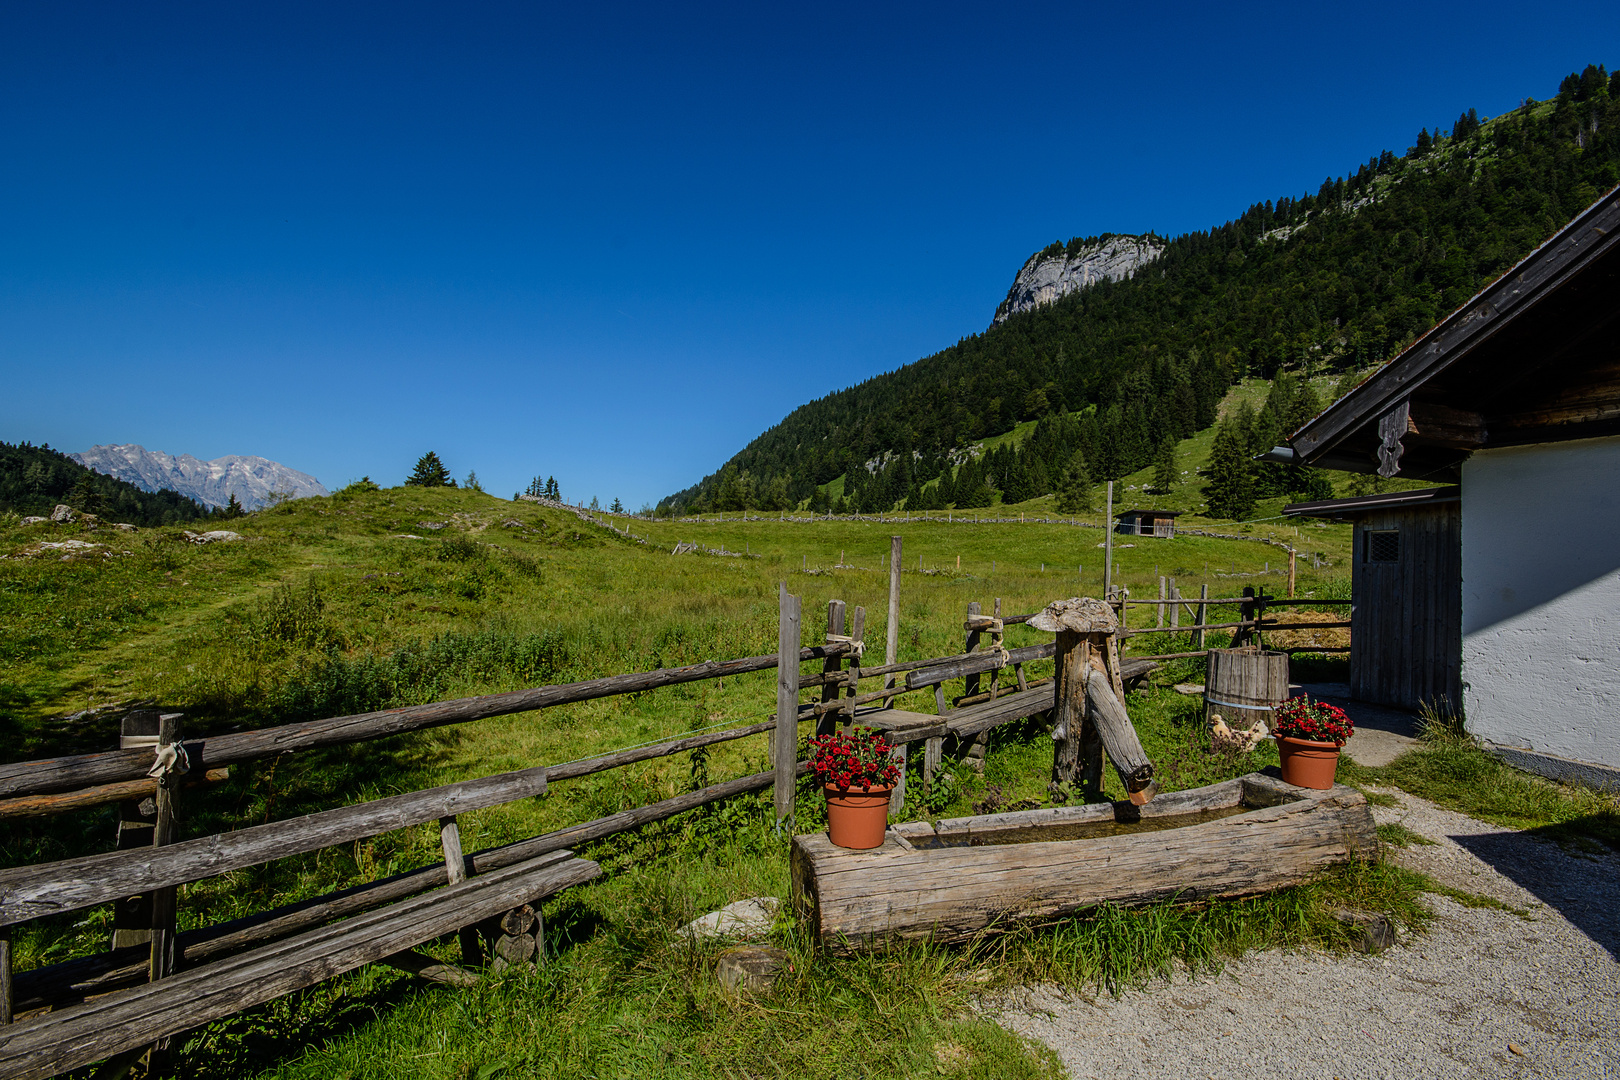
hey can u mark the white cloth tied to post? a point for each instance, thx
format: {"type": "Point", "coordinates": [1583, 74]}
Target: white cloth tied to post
{"type": "Point", "coordinates": [856, 647]}
{"type": "Point", "coordinates": [171, 760]}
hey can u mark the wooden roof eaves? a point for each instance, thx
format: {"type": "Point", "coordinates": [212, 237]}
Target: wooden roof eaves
{"type": "Point", "coordinates": [1365, 503]}
{"type": "Point", "coordinates": [1538, 274]}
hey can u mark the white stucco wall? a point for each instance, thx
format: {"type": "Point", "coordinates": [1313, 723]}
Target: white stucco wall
{"type": "Point", "coordinates": [1541, 598]}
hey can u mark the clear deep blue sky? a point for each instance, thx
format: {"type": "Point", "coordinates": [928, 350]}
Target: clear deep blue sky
{"type": "Point", "coordinates": [614, 243]}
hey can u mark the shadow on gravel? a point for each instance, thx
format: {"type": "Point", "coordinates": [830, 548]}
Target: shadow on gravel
{"type": "Point", "coordinates": [1566, 870]}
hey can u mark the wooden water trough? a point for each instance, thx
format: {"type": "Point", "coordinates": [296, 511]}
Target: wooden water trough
{"type": "Point", "coordinates": [965, 876]}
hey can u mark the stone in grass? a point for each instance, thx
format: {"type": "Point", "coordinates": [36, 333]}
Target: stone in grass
{"type": "Point", "coordinates": [743, 920]}
{"type": "Point", "coordinates": [1377, 932]}
{"type": "Point", "coordinates": [750, 969]}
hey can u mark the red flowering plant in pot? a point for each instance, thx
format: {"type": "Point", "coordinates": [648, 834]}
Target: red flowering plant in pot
{"type": "Point", "coordinates": [857, 775]}
{"type": "Point", "coordinates": [1309, 735]}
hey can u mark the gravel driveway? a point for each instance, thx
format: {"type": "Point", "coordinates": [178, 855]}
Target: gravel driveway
{"type": "Point", "coordinates": [1482, 993]}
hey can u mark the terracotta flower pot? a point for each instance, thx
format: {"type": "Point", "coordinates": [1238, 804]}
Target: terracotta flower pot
{"type": "Point", "coordinates": [1306, 763]}
{"type": "Point", "coordinates": [857, 818]}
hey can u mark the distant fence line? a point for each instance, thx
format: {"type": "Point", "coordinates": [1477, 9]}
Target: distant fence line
{"type": "Point", "coordinates": [685, 547]}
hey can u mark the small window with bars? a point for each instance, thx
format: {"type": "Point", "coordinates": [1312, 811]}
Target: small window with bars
{"type": "Point", "coordinates": [1381, 545]}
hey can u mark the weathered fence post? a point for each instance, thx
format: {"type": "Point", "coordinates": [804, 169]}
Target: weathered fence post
{"type": "Point", "coordinates": [1291, 554]}
{"type": "Point", "coordinates": [5, 974]}
{"type": "Point", "coordinates": [1240, 637]}
{"type": "Point", "coordinates": [1076, 747]}
{"type": "Point", "coordinates": [1159, 624]}
{"type": "Point", "coordinates": [857, 631]}
{"type": "Point", "coordinates": [891, 633]}
{"type": "Point", "coordinates": [970, 687]}
{"type": "Point", "coordinates": [829, 691]}
{"type": "Point", "coordinates": [1203, 616]}
{"type": "Point", "coordinates": [132, 916]}
{"type": "Point", "coordinates": [163, 833]}
{"type": "Point", "coordinates": [787, 703]}
{"type": "Point", "coordinates": [1175, 606]}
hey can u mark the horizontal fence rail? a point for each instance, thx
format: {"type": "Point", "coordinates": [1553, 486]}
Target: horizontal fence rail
{"type": "Point", "coordinates": [88, 770]}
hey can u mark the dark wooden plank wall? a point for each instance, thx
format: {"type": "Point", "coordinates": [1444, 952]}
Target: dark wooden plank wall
{"type": "Point", "coordinates": [1406, 638]}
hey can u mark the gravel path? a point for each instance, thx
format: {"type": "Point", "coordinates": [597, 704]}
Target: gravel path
{"type": "Point", "coordinates": [1446, 1003]}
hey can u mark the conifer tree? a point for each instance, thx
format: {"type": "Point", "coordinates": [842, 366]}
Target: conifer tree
{"type": "Point", "coordinates": [1231, 478]}
{"type": "Point", "coordinates": [471, 483]}
{"type": "Point", "coordinates": [1164, 468]}
{"type": "Point", "coordinates": [430, 472]}
{"type": "Point", "coordinates": [86, 497]}
{"type": "Point", "coordinates": [552, 490]}
{"type": "Point", "coordinates": [617, 507]}
{"type": "Point", "coordinates": [1074, 496]}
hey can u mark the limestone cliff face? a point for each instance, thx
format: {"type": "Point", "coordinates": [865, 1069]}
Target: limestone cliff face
{"type": "Point", "coordinates": [1048, 277]}
{"type": "Point", "coordinates": [211, 483]}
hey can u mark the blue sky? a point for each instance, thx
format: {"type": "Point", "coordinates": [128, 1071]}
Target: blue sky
{"type": "Point", "coordinates": [613, 243]}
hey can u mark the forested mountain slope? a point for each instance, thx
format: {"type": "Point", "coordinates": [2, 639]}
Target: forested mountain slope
{"type": "Point", "coordinates": [1336, 280]}
{"type": "Point", "coordinates": [34, 479]}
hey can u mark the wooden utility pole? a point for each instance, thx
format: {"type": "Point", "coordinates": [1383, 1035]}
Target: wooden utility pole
{"type": "Point", "coordinates": [786, 741]}
{"type": "Point", "coordinates": [1108, 542]}
{"type": "Point", "coordinates": [891, 634]}
{"type": "Point", "coordinates": [891, 652]}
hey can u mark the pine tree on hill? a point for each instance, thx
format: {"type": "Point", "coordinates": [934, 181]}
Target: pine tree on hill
{"type": "Point", "coordinates": [1074, 496]}
{"type": "Point", "coordinates": [617, 507]}
{"type": "Point", "coordinates": [430, 472]}
{"type": "Point", "coordinates": [86, 497]}
{"type": "Point", "coordinates": [1165, 475]}
{"type": "Point", "coordinates": [1230, 491]}
{"type": "Point", "coordinates": [552, 490]}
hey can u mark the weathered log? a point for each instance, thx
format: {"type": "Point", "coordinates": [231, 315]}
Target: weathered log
{"type": "Point", "coordinates": [99, 973]}
{"type": "Point", "coordinates": [88, 770]}
{"type": "Point", "coordinates": [66, 1039]}
{"type": "Point", "coordinates": [127, 791]}
{"type": "Point", "coordinates": [1119, 738]}
{"type": "Point", "coordinates": [426, 967]}
{"type": "Point", "coordinates": [1076, 751]}
{"type": "Point", "coordinates": [28, 892]}
{"type": "Point", "coordinates": [974, 663]}
{"type": "Point", "coordinates": [863, 899]}
{"type": "Point", "coordinates": [976, 719]}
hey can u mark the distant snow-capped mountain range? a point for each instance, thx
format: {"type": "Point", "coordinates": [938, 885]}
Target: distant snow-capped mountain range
{"type": "Point", "coordinates": [209, 482]}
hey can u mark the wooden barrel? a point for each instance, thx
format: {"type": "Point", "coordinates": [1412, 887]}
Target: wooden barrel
{"type": "Point", "coordinates": [1245, 685]}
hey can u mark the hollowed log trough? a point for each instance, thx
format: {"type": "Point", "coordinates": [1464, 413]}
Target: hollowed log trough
{"type": "Point", "coordinates": [968, 876]}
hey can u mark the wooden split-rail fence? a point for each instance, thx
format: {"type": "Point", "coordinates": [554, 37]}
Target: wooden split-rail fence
{"type": "Point", "coordinates": [156, 982]}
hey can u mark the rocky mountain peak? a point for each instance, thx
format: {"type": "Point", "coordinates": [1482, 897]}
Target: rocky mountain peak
{"type": "Point", "coordinates": [250, 478]}
{"type": "Point", "coordinates": [1055, 272]}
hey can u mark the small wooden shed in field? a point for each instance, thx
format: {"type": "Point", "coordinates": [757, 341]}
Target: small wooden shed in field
{"type": "Point", "coordinates": [1406, 590]}
{"type": "Point", "coordinates": [1147, 522]}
